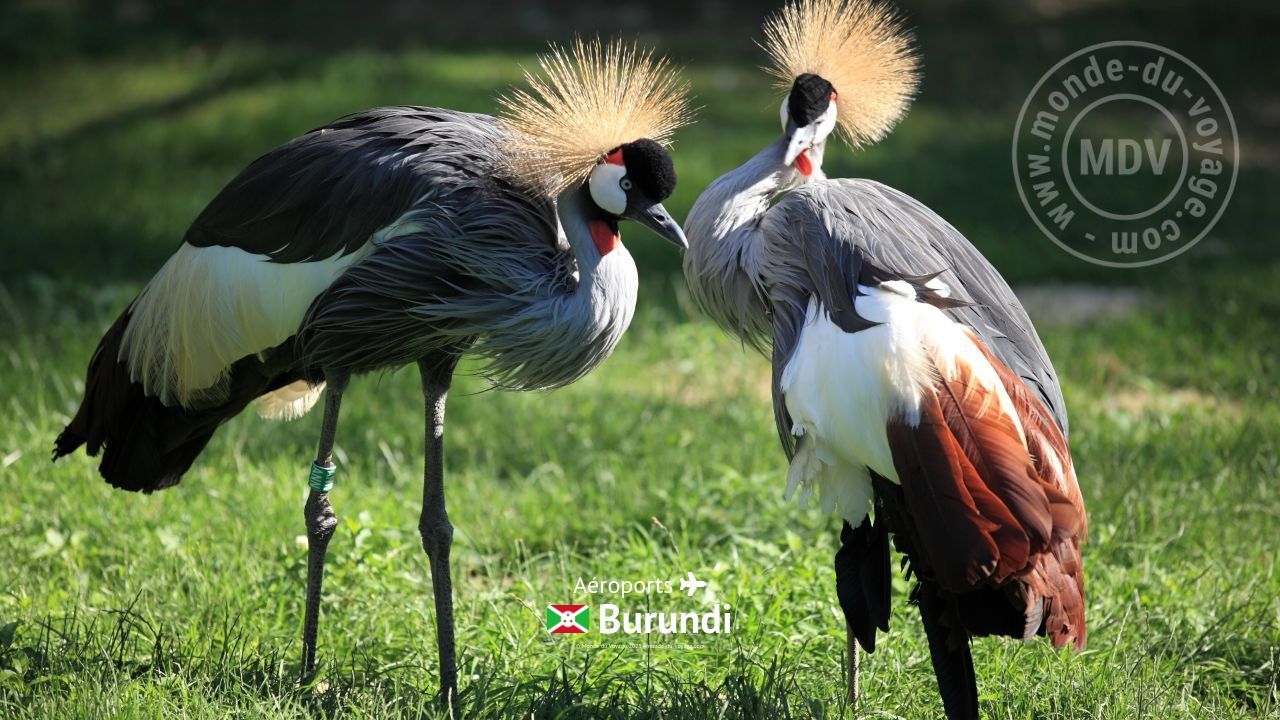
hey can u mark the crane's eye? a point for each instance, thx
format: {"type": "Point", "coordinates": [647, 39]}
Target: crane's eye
{"type": "Point", "coordinates": [608, 185]}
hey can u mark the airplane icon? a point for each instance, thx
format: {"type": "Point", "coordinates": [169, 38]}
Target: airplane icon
{"type": "Point", "coordinates": [692, 584]}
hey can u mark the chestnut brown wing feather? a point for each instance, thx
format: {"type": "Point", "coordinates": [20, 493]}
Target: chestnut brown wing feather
{"type": "Point", "coordinates": [992, 510]}
{"type": "Point", "coordinates": [1060, 571]}
{"type": "Point", "coordinates": [937, 480]}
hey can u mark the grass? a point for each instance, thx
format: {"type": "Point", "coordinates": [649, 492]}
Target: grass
{"type": "Point", "coordinates": [188, 603]}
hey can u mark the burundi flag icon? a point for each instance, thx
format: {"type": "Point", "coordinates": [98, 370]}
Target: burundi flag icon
{"type": "Point", "coordinates": [572, 619]}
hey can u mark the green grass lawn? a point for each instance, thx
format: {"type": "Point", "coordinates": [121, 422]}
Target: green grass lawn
{"type": "Point", "coordinates": [188, 603]}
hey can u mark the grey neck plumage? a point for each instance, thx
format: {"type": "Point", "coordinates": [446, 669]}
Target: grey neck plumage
{"type": "Point", "coordinates": [565, 334]}
{"type": "Point", "coordinates": [726, 245]}
{"type": "Point", "coordinates": [608, 285]}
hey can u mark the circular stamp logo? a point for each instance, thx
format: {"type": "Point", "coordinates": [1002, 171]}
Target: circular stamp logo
{"type": "Point", "coordinates": [1125, 154]}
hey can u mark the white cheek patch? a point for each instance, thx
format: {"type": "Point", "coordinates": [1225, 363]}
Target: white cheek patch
{"type": "Point", "coordinates": [826, 123]}
{"type": "Point", "coordinates": [605, 188]}
{"type": "Point", "coordinates": [783, 113]}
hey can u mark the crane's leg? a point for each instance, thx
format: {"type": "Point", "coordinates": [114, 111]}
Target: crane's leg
{"type": "Point", "coordinates": [852, 641]}
{"type": "Point", "coordinates": [320, 518]}
{"type": "Point", "coordinates": [949, 650]}
{"type": "Point", "coordinates": [437, 533]}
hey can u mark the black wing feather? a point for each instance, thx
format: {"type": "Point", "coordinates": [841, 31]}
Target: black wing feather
{"type": "Point", "coordinates": [326, 192]}
{"type": "Point", "coordinates": [862, 580]}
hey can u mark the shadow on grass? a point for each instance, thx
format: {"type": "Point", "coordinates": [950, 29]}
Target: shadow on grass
{"type": "Point", "coordinates": [121, 119]}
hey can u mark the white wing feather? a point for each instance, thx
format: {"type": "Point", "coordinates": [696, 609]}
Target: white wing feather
{"type": "Point", "coordinates": [211, 306]}
{"type": "Point", "coordinates": [842, 389]}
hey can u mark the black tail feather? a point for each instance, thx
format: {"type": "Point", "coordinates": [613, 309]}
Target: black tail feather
{"type": "Point", "coordinates": [862, 580]}
{"type": "Point", "coordinates": [146, 445]}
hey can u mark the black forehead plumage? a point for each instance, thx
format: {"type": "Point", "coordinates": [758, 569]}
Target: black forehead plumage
{"type": "Point", "coordinates": [649, 166]}
{"type": "Point", "coordinates": [810, 95]}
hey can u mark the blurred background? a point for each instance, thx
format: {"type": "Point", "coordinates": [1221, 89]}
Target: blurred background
{"type": "Point", "coordinates": [121, 119]}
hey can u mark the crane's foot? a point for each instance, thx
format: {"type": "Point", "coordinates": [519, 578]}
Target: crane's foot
{"type": "Point", "coordinates": [321, 523]}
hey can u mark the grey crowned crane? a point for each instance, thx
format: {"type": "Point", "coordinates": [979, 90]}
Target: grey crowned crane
{"type": "Point", "coordinates": [910, 389]}
{"type": "Point", "coordinates": [395, 235]}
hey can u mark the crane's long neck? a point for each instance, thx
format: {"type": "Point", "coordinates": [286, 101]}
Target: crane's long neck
{"type": "Point", "coordinates": [593, 318]}
{"type": "Point", "coordinates": [726, 244]}
{"type": "Point", "coordinates": [536, 325]}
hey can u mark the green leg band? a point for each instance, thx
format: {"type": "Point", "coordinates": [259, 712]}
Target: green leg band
{"type": "Point", "coordinates": [321, 479]}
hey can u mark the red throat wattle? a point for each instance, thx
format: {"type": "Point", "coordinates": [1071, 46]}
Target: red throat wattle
{"type": "Point", "coordinates": [605, 236]}
{"type": "Point", "coordinates": [804, 164]}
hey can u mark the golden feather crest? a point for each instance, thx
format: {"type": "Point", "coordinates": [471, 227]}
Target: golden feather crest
{"type": "Point", "coordinates": [589, 99]}
{"type": "Point", "coordinates": [860, 47]}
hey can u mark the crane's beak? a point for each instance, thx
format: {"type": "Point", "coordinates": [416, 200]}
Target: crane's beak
{"type": "Point", "coordinates": [656, 218]}
{"type": "Point", "coordinates": [798, 144]}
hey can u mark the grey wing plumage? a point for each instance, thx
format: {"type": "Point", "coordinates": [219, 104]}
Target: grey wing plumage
{"type": "Point", "coordinates": [473, 257]}
{"type": "Point", "coordinates": [829, 226]}
{"type": "Point", "coordinates": [471, 265]}
{"type": "Point", "coordinates": [451, 246]}
{"type": "Point", "coordinates": [326, 192]}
